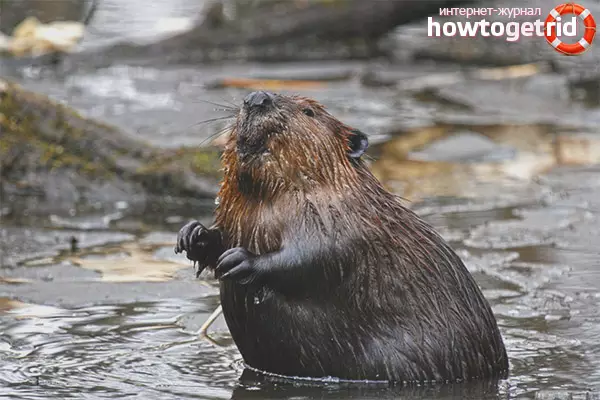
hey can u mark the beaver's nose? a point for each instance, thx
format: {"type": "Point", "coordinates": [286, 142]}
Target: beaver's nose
{"type": "Point", "coordinates": [258, 99]}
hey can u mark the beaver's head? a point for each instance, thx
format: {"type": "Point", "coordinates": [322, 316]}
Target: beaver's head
{"type": "Point", "coordinates": [292, 141]}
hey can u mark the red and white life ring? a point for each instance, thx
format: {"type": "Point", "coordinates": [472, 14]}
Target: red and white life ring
{"type": "Point", "coordinates": [588, 37]}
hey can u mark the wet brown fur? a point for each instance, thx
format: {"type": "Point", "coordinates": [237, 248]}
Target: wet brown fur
{"type": "Point", "coordinates": [377, 295]}
{"type": "Point", "coordinates": [314, 170]}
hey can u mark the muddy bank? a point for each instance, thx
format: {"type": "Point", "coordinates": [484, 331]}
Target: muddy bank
{"type": "Point", "coordinates": [50, 152]}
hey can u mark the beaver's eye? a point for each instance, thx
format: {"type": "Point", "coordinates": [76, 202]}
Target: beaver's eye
{"type": "Point", "coordinates": [309, 112]}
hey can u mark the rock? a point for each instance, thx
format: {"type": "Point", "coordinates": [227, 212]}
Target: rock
{"type": "Point", "coordinates": [538, 99]}
{"type": "Point", "coordinates": [14, 12]}
{"type": "Point", "coordinates": [31, 37]}
{"type": "Point", "coordinates": [291, 31]}
{"type": "Point", "coordinates": [48, 151]}
{"type": "Point", "coordinates": [464, 147]}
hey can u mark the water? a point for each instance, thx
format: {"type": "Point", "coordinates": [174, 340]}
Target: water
{"type": "Point", "coordinates": [120, 320]}
{"type": "Point", "coordinates": [134, 349]}
{"type": "Point", "coordinates": [517, 195]}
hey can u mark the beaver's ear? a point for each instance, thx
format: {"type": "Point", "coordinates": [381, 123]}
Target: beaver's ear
{"type": "Point", "coordinates": [358, 142]}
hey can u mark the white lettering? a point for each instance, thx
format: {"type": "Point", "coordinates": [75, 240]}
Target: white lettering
{"type": "Point", "coordinates": [484, 25]}
{"type": "Point", "coordinates": [573, 27]}
{"type": "Point", "coordinates": [549, 27]}
{"type": "Point", "coordinates": [467, 29]}
{"type": "Point", "coordinates": [527, 29]}
{"type": "Point", "coordinates": [449, 29]}
{"type": "Point", "coordinates": [539, 27]}
{"type": "Point", "coordinates": [430, 25]}
{"type": "Point", "coordinates": [497, 29]}
{"type": "Point", "coordinates": [512, 31]}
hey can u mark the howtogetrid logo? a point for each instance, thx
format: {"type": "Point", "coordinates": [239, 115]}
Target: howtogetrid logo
{"type": "Point", "coordinates": [503, 22]}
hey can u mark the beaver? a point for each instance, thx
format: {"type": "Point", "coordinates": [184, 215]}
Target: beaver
{"type": "Point", "coordinates": [323, 272]}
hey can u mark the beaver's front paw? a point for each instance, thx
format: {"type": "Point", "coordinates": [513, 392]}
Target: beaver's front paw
{"type": "Point", "coordinates": [192, 239]}
{"type": "Point", "coordinates": [201, 245]}
{"type": "Point", "coordinates": [237, 264]}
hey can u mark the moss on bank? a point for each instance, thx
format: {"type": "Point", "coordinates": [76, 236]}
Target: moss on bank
{"type": "Point", "coordinates": [38, 135]}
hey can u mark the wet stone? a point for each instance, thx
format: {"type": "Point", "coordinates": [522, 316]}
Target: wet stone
{"type": "Point", "coordinates": [554, 395]}
{"type": "Point", "coordinates": [514, 101]}
{"type": "Point", "coordinates": [20, 244]}
{"type": "Point", "coordinates": [168, 254]}
{"type": "Point", "coordinates": [536, 228]}
{"type": "Point", "coordinates": [464, 147]}
{"type": "Point", "coordinates": [77, 294]}
{"type": "Point", "coordinates": [87, 222]}
{"type": "Point", "coordinates": [160, 238]}
{"type": "Point", "coordinates": [62, 271]}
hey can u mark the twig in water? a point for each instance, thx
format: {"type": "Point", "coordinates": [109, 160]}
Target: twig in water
{"type": "Point", "coordinates": [204, 328]}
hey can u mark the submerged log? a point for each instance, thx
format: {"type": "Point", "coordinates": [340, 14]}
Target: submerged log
{"type": "Point", "coordinates": [313, 30]}
{"type": "Point", "coordinates": [50, 151]}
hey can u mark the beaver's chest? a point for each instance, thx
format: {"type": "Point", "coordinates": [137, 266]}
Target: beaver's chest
{"type": "Point", "coordinates": [290, 336]}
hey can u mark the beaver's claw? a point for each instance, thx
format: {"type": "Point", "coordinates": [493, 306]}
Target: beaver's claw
{"type": "Point", "coordinates": [201, 245]}
{"type": "Point", "coordinates": [190, 239]}
{"type": "Point", "coordinates": [237, 264]}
